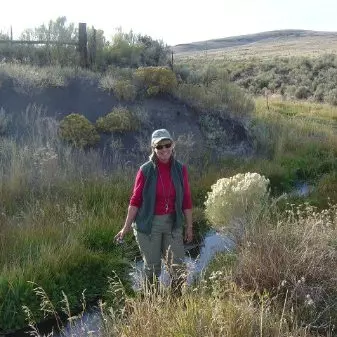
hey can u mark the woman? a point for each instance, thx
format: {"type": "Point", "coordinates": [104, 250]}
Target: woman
{"type": "Point", "coordinates": [159, 206]}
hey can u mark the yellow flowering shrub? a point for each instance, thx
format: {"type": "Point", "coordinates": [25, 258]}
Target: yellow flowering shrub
{"type": "Point", "coordinates": [120, 119]}
{"type": "Point", "coordinates": [156, 80]}
{"type": "Point", "coordinates": [235, 198]}
{"type": "Point", "coordinates": [78, 130]}
{"type": "Point", "coordinates": [125, 90]}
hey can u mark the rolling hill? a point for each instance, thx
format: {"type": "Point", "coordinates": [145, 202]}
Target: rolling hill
{"type": "Point", "coordinates": [289, 42]}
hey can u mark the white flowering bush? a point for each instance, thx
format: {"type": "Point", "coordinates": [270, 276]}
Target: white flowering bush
{"type": "Point", "coordinates": [236, 199]}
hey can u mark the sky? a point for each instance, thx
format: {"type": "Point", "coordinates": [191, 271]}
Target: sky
{"type": "Point", "coordinates": [174, 21]}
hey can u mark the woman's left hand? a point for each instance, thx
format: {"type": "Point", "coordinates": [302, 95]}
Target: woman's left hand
{"type": "Point", "coordinates": [188, 234]}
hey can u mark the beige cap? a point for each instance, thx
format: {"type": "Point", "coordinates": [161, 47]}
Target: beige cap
{"type": "Point", "coordinates": [159, 135]}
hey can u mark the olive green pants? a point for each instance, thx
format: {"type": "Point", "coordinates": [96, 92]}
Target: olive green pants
{"type": "Point", "coordinates": [162, 243]}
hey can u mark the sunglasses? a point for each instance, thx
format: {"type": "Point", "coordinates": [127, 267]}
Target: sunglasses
{"type": "Point", "coordinates": [160, 147]}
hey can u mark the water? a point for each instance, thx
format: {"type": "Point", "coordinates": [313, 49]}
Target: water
{"type": "Point", "coordinates": [302, 189]}
{"type": "Point", "coordinates": [213, 243]}
{"type": "Point", "coordinates": [90, 323]}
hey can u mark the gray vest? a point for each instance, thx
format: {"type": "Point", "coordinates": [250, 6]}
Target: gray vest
{"type": "Point", "coordinates": [144, 217]}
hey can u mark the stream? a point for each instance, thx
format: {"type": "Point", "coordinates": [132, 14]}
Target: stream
{"type": "Point", "coordinates": [213, 243]}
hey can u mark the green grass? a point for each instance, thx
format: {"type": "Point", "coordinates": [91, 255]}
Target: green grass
{"type": "Point", "coordinates": [299, 145]}
{"type": "Point", "coordinates": [58, 233]}
{"type": "Point", "coordinates": [61, 241]}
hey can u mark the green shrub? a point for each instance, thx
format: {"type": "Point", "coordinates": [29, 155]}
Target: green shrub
{"type": "Point", "coordinates": [319, 93]}
{"type": "Point", "coordinates": [120, 119]}
{"type": "Point", "coordinates": [211, 73]}
{"type": "Point", "coordinates": [331, 97]}
{"type": "Point", "coordinates": [182, 71]}
{"type": "Point", "coordinates": [327, 188]}
{"type": "Point", "coordinates": [156, 80]}
{"type": "Point", "coordinates": [78, 130]}
{"type": "Point", "coordinates": [302, 92]}
{"type": "Point", "coordinates": [131, 50]}
{"type": "Point", "coordinates": [200, 224]}
{"type": "Point", "coordinates": [124, 90]}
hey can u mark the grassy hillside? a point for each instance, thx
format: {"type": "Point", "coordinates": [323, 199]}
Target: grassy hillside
{"type": "Point", "coordinates": [290, 42]}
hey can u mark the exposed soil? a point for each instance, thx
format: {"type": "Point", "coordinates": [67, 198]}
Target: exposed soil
{"type": "Point", "coordinates": [85, 97]}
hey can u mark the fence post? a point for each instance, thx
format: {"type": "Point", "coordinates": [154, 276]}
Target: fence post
{"type": "Point", "coordinates": [93, 47]}
{"type": "Point", "coordinates": [82, 44]}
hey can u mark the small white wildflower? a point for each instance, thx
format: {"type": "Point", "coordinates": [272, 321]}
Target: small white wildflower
{"type": "Point", "coordinates": [308, 300]}
{"type": "Point", "coordinates": [212, 277]}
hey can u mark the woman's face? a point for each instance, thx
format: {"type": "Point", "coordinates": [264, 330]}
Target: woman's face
{"type": "Point", "coordinates": [164, 150]}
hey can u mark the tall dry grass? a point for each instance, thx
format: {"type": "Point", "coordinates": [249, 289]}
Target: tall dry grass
{"type": "Point", "coordinates": [27, 78]}
{"type": "Point", "coordinates": [215, 307]}
{"type": "Point", "coordinates": [292, 256]}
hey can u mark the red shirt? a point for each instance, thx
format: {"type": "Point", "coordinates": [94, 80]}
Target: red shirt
{"type": "Point", "coordinates": [165, 191]}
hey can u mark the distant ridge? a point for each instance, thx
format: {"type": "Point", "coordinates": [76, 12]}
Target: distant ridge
{"type": "Point", "coordinates": [250, 39]}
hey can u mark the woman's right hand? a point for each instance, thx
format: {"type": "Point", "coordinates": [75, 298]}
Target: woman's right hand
{"type": "Point", "coordinates": [120, 235]}
{"type": "Point", "coordinates": [132, 211]}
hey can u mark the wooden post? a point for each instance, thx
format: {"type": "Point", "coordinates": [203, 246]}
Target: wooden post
{"type": "Point", "coordinates": [11, 36]}
{"type": "Point", "coordinates": [93, 47]}
{"type": "Point", "coordinates": [82, 44]}
{"type": "Point", "coordinates": [172, 60]}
